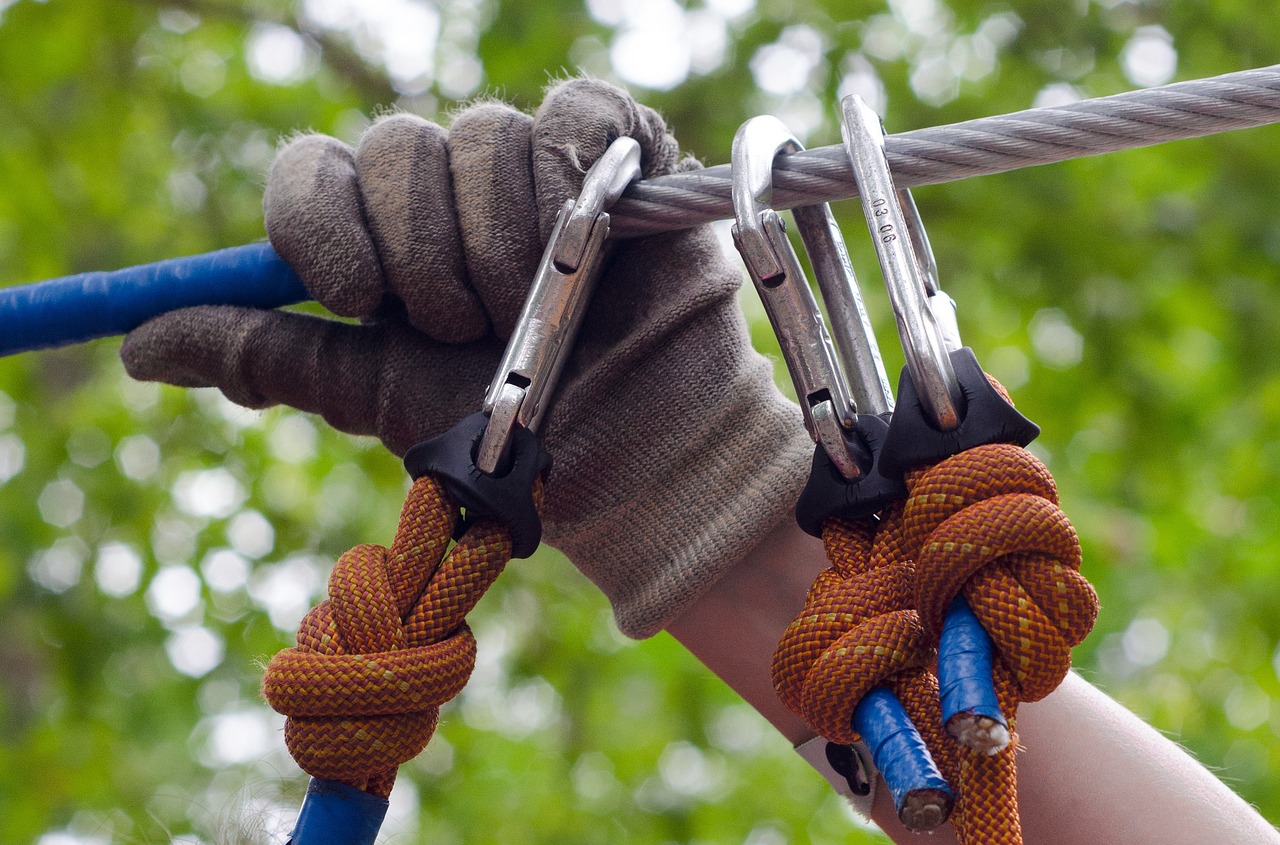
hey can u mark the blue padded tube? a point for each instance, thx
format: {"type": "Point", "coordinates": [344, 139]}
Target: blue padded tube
{"type": "Point", "coordinates": [336, 814]}
{"type": "Point", "coordinates": [964, 666]}
{"type": "Point", "coordinates": [896, 746]}
{"type": "Point", "coordinates": [90, 305]}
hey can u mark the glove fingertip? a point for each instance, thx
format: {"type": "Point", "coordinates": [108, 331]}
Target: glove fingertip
{"type": "Point", "coordinates": [144, 349]}
{"type": "Point", "coordinates": [194, 347]}
{"type": "Point", "coordinates": [578, 120]}
{"type": "Point", "coordinates": [315, 221]}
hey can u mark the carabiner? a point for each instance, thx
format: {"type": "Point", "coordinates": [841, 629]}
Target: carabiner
{"type": "Point", "coordinates": [522, 387]}
{"type": "Point", "coordinates": [826, 398]}
{"type": "Point", "coordinates": [924, 314]}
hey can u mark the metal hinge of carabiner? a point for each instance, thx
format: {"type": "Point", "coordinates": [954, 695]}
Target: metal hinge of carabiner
{"type": "Point", "coordinates": [524, 383]}
{"type": "Point", "coordinates": [828, 399]}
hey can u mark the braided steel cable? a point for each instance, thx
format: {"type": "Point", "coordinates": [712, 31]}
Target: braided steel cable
{"type": "Point", "coordinates": [90, 305]}
{"type": "Point", "coordinates": [979, 147]}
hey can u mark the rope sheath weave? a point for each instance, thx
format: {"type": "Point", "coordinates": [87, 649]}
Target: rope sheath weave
{"type": "Point", "coordinates": [859, 628]}
{"type": "Point", "coordinates": [363, 687]}
{"type": "Point", "coordinates": [984, 523]}
{"type": "Point", "coordinates": [987, 522]}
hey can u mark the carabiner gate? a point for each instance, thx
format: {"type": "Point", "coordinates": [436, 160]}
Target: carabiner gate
{"type": "Point", "coordinates": [522, 387]}
{"type": "Point", "coordinates": [924, 314]}
{"type": "Point", "coordinates": [826, 398]}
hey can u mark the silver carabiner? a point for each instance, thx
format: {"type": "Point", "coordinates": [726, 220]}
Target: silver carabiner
{"type": "Point", "coordinates": [522, 387]}
{"type": "Point", "coordinates": [942, 306]}
{"type": "Point", "coordinates": [924, 314]}
{"type": "Point", "coordinates": [828, 402]}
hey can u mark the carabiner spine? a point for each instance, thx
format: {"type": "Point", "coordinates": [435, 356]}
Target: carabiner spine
{"type": "Point", "coordinates": [802, 335]}
{"type": "Point", "coordinates": [536, 353]}
{"type": "Point", "coordinates": [918, 329]}
{"type": "Point", "coordinates": [851, 328]}
{"type": "Point", "coordinates": [940, 304]}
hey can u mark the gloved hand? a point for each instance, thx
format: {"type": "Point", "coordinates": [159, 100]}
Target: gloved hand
{"type": "Point", "coordinates": [674, 453]}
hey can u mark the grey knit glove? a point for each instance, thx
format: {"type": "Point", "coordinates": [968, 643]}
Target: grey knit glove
{"type": "Point", "coordinates": [674, 453]}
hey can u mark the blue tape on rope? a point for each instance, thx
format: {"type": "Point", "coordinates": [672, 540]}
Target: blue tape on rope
{"type": "Point", "coordinates": [90, 305]}
{"type": "Point", "coordinates": [336, 814]}
{"type": "Point", "coordinates": [964, 665]}
{"type": "Point", "coordinates": [896, 746]}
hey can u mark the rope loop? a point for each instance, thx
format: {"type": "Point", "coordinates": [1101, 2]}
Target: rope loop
{"type": "Point", "coordinates": [859, 628]}
{"type": "Point", "coordinates": [986, 523]}
{"type": "Point", "coordinates": [363, 687]}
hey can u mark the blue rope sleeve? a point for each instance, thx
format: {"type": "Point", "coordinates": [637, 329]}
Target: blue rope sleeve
{"type": "Point", "coordinates": [336, 814]}
{"type": "Point", "coordinates": [964, 666]}
{"type": "Point", "coordinates": [77, 308]}
{"type": "Point", "coordinates": [896, 746]}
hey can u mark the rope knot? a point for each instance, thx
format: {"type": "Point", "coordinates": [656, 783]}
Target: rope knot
{"type": "Point", "coordinates": [859, 628]}
{"type": "Point", "coordinates": [363, 687]}
{"type": "Point", "coordinates": [986, 523]}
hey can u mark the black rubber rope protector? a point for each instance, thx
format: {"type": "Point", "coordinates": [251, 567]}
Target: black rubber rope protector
{"type": "Point", "coordinates": [986, 417]}
{"type": "Point", "coordinates": [507, 496]}
{"type": "Point", "coordinates": [888, 445]}
{"type": "Point", "coordinates": [828, 493]}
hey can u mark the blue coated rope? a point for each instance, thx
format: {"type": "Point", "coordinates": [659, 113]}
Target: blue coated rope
{"type": "Point", "coordinates": [964, 666]}
{"type": "Point", "coordinates": [897, 749]}
{"type": "Point", "coordinates": [337, 814]}
{"type": "Point", "coordinates": [77, 308]}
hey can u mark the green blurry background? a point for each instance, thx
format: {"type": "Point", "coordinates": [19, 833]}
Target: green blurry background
{"type": "Point", "coordinates": [158, 544]}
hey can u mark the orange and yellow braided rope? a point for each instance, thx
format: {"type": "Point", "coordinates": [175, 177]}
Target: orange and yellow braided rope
{"type": "Point", "coordinates": [984, 523]}
{"type": "Point", "coordinates": [363, 687]}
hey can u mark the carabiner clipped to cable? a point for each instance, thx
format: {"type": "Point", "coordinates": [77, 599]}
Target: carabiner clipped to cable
{"type": "Point", "coordinates": [924, 313]}
{"type": "Point", "coordinates": [945, 402]}
{"type": "Point", "coordinates": [525, 380]}
{"type": "Point", "coordinates": [843, 482]}
{"type": "Point", "coordinates": [826, 398]}
{"type": "Point", "coordinates": [947, 406]}
{"type": "Point", "coordinates": [491, 460]}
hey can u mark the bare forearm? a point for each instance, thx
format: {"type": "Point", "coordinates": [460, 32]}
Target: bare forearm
{"type": "Point", "coordinates": [1090, 765]}
{"type": "Point", "coordinates": [735, 628]}
{"type": "Point", "coordinates": [1089, 769]}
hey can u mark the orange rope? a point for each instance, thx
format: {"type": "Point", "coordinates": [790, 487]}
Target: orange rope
{"type": "Point", "coordinates": [859, 628]}
{"type": "Point", "coordinates": [363, 688]}
{"type": "Point", "coordinates": [984, 523]}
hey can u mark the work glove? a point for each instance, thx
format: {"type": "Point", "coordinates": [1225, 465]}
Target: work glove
{"type": "Point", "coordinates": [674, 454]}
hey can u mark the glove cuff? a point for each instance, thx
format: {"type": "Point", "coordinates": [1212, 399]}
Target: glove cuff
{"type": "Point", "coordinates": [657, 547]}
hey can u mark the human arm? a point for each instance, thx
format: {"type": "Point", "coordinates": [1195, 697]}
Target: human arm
{"type": "Point", "coordinates": [674, 453]}
{"type": "Point", "coordinates": [1089, 771]}
{"type": "Point", "coordinates": [673, 450]}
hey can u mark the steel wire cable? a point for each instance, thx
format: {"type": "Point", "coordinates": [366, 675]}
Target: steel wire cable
{"type": "Point", "coordinates": [978, 147]}
{"type": "Point", "coordinates": [90, 305]}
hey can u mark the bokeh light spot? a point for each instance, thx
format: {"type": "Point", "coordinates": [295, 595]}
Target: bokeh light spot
{"type": "Point", "coordinates": [1149, 57]}
{"type": "Point", "coordinates": [118, 570]}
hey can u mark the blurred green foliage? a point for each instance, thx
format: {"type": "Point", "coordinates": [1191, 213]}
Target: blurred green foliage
{"type": "Point", "coordinates": [159, 544]}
